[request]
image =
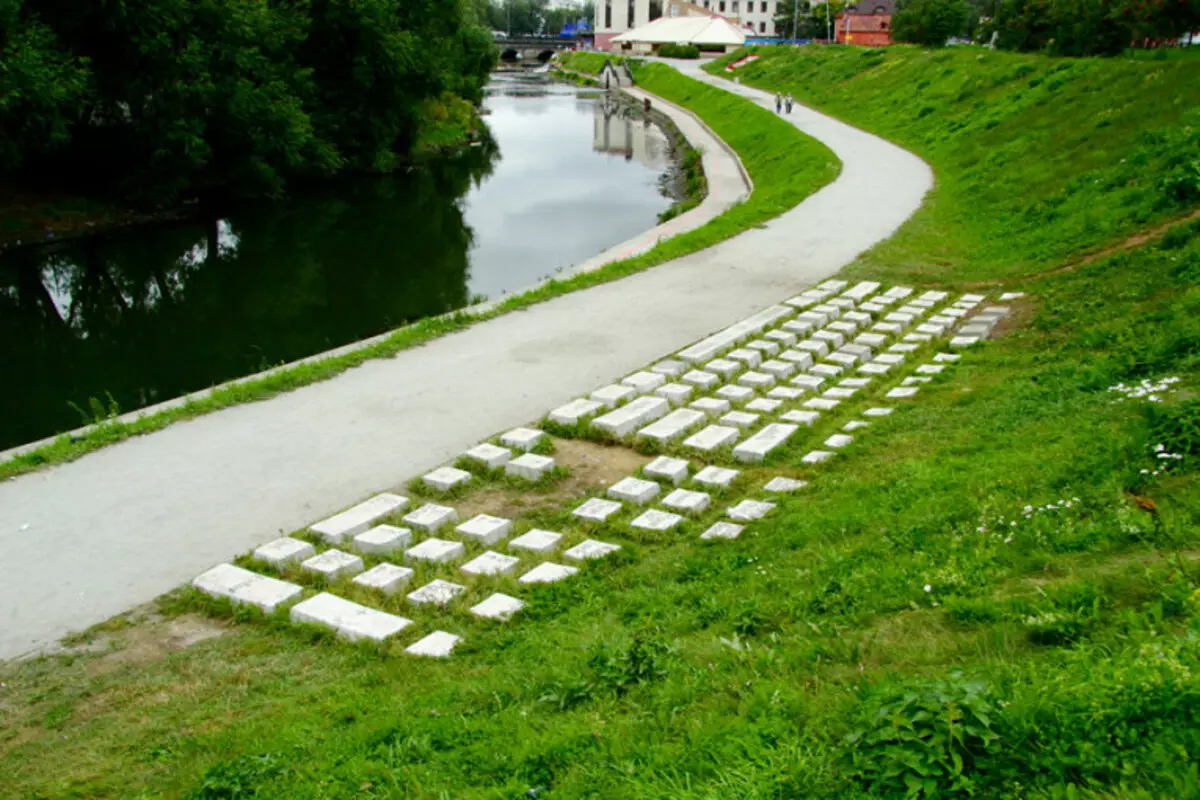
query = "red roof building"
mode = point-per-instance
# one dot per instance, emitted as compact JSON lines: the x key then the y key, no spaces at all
{"x":868,"y":23}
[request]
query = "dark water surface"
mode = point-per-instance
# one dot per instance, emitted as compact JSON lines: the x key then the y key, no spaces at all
{"x":157,"y":312}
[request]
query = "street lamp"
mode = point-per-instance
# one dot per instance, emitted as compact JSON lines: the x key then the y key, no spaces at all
{"x":795,"y":17}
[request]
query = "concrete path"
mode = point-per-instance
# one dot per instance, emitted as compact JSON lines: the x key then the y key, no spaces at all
{"x":90,"y":539}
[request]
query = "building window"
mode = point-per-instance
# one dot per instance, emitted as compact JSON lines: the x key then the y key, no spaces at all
{"x":763,"y":6}
{"x":629,"y":23}
{"x":722,"y":8}
{"x":735,"y":6}
{"x":655,"y":9}
{"x":762,"y":27}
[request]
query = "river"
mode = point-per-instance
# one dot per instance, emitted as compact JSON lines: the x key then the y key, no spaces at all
{"x":122,"y":321}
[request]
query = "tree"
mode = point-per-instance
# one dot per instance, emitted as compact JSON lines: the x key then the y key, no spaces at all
{"x":811,"y":19}
{"x":1158,"y":20}
{"x":1063,"y":27}
{"x":929,"y":22}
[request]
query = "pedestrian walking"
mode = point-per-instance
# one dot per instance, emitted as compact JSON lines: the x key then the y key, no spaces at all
{"x":778,"y":104}
{"x":787,"y":102}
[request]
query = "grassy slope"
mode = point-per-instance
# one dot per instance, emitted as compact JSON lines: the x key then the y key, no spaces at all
{"x":738,"y":670}
{"x":785,"y":165}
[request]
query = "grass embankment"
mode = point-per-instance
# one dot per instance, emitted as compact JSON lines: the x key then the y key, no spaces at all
{"x":785,"y":165}
{"x":992,"y":591}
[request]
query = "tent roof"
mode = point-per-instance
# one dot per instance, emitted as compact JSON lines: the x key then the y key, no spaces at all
{"x":685,"y":30}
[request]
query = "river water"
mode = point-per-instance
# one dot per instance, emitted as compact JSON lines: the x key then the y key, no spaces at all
{"x":134,"y":318}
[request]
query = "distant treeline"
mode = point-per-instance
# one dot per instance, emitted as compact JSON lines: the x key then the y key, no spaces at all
{"x":160,"y":100}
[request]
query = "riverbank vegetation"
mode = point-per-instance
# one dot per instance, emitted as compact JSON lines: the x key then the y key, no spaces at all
{"x":993,"y":593}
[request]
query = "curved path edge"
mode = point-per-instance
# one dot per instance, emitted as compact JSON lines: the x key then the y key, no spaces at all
{"x":122,"y":525}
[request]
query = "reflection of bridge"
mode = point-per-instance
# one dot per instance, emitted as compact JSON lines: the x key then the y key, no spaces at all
{"x":617,"y":131}
{"x":532,"y":48}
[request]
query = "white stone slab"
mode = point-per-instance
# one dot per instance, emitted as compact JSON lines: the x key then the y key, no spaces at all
{"x":800,"y":327}
{"x":887,"y":327}
{"x":838,"y":441}
{"x":960,"y":342}
{"x":711,"y":346}
{"x":800,"y":358}
{"x":350,"y":620}
{"x":839,"y":393}
{"x":920,"y":338}
{"x":861,"y":290}
{"x":523,"y":439}
{"x":739,"y":419}
{"x":854,"y":383}
{"x":687,"y":501}
{"x":760,"y":444}
{"x":854,"y":425}
{"x":437,"y":593}
{"x":844,"y":303}
{"x":809,"y":383}
{"x":673,"y":425}
{"x":626,"y":419}
{"x":724,"y":367}
{"x":915,"y":380}
{"x":826,"y":370}
{"x":801,"y":417}
{"x":843,"y":360}
{"x":634,"y":490}
{"x":875,"y":368}
{"x":386,"y":578}
{"x":492,"y":457}
{"x":830,"y":310}
{"x":856,"y":318}
{"x":547,"y":572}
{"x":821,"y":404}
{"x":537,"y":541}
{"x":737,"y":395}
{"x":666,"y":468}
{"x":644,"y":382}
{"x":655,"y":520}
{"x":833,"y":338}
{"x":946,"y":358}
{"x":284,"y":552}
{"x":675,"y":393}
{"x":904,"y":347}
{"x":711,"y":438}
{"x":816,"y":457}
{"x":763,"y":405}
{"x":711,"y":406}
{"x":749,"y":510}
{"x":355,"y":520}
{"x":815,"y":346}
{"x":498,"y":606}
{"x":751,"y":358}
{"x":900,"y":318}
{"x":383,"y":540}
{"x":764,"y":346}
{"x":590,"y":549}
{"x":1004,"y":297}
{"x":490,"y":563}
{"x":443,"y":479}
{"x":530,"y":466}
{"x":435,"y":551}
{"x":878,"y":412}
{"x":612,"y":395}
{"x":785,"y":393}
{"x":430,"y":517}
{"x":670,"y":368}
{"x":901,"y":392}
{"x":898,"y":292}
{"x":894,"y":359}
{"x":873,"y":307}
{"x":485,"y":529}
{"x":438,"y":644}
{"x":597,"y":509}
{"x":785,"y":338}
{"x":842,"y":328}
{"x":716,"y":477}
{"x":871,"y":340}
{"x":723,"y":530}
{"x":701,"y":378}
{"x":333,"y":564}
{"x":243,"y":587}
{"x":784,"y":485}
{"x":777,"y":369}
{"x":570,"y":414}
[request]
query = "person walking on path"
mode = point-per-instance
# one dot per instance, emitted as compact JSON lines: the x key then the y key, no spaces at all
{"x":787,"y":102}
{"x":778,"y":103}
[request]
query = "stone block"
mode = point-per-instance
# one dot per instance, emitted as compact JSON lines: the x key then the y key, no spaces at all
{"x":785,"y":338}
{"x":675,"y":393}
{"x":711,"y":438}
{"x":443,"y":479}
{"x":784,"y":485}
{"x":430,"y":517}
{"x":946,"y":358}
{"x":590,"y":549}
{"x":898,"y":292}
{"x":816,"y":457}
{"x":922,"y":302}
{"x":757,"y":447}
{"x":523,"y":439}
{"x":349,"y":620}
{"x":916,"y":312}
{"x":570,"y":414}
{"x":801,"y":417}
{"x":841,"y":328}
{"x":931,"y":329}
{"x":687,"y":501}
{"x":977,"y":331}
{"x":435,"y":551}
{"x":838,"y":441}
{"x":832,"y":312}
{"x":724,"y":367}
{"x":785,"y":393}
{"x":633,"y":490}
{"x":854,"y":383}
{"x":955,"y":312}
{"x":861,"y":290}
{"x":960,"y":342}
{"x":354,"y":521}
{"x":383,"y":540}
{"x":656,"y":521}
{"x":764,"y":346}
{"x":842,"y":360}
{"x":808,"y":383}
{"x":243,"y":587}
{"x":844,"y":303}
{"x":873,"y":307}
{"x":763,"y":405}
{"x":333,"y":564}
{"x":722,"y":340}
{"x":821,"y":404}
{"x":858,"y":319}
{"x":890,"y":358}
{"x":826,"y":370}
{"x":887,"y":327}
{"x":436,"y":593}
{"x":547,"y":572}
{"x":875,"y":368}
{"x":716,"y":477}
{"x":1004,"y":298}
{"x":833,"y":285}
{"x":597,"y":510}
{"x":712,"y":407}
{"x":839,"y":393}
{"x":723,"y":530}
{"x":485,"y":529}
{"x":736,"y":395}
{"x":915,"y":380}
{"x":666,"y":468}
{"x":941,"y":319}
{"x":701,"y":378}
{"x":817,"y":347}
{"x":490,"y":456}
{"x":878,"y":412}
{"x":530,"y":466}
{"x":537,"y":541}
{"x":759,"y":381}
{"x":670,"y":368}
{"x":613,"y":395}
{"x":644,"y":382}
{"x":901,"y":392}
{"x":904,"y":347}
{"x":385,"y":577}
{"x":995,"y":311}
{"x":739,"y":419}
{"x":802,"y":360}
{"x":854,"y":425}
{"x":490,"y":563}
{"x":673,"y":425}
{"x":438,"y":644}
{"x":918,"y":337}
{"x":799,"y":326}
{"x":498,"y":606}
{"x":749,"y":510}
{"x":873,"y":341}
{"x":930,"y":369}
{"x":284,"y":552}
{"x":751,"y":358}
{"x":626,"y":419}
{"x":900,"y":318}
{"x":777,"y":369}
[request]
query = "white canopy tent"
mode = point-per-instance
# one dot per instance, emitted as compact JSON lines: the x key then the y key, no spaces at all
{"x":700,"y":31}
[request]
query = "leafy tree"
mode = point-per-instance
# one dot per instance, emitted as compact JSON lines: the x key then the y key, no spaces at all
{"x":929,"y":22}
{"x":1062,"y":27}
{"x":1158,"y":19}
{"x":813,"y":18}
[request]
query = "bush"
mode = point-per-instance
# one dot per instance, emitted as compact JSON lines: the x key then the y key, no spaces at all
{"x":679,"y":51}
{"x":929,"y":22}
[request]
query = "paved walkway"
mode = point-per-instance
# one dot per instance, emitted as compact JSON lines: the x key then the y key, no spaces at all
{"x":90,"y":539}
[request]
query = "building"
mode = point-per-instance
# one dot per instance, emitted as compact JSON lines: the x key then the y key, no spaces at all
{"x":711,"y":33}
{"x":614,"y":17}
{"x":867,"y":23}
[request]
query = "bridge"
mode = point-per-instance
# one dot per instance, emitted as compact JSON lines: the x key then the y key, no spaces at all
{"x":532,"y":48}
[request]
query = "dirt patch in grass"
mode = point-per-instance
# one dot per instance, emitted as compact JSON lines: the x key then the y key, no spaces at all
{"x":150,"y":641}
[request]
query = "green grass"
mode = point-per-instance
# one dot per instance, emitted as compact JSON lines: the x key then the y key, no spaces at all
{"x":785,"y":166}
{"x":1053,"y":655}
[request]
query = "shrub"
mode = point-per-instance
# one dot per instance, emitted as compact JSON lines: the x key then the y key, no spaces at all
{"x":679,"y":51}
{"x":930,"y":22}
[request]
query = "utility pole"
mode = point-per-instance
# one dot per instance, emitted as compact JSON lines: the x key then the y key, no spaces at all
{"x":828,"y":23}
{"x":795,"y":17}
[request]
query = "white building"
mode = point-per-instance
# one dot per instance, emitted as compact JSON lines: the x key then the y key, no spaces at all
{"x":614,"y":17}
